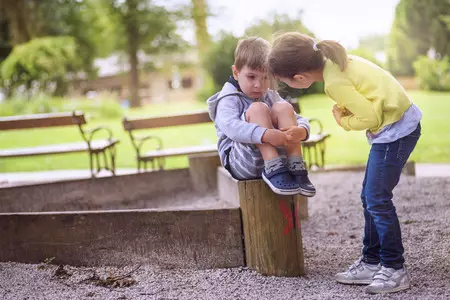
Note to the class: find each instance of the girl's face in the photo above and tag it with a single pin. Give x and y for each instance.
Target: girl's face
(299, 81)
(253, 83)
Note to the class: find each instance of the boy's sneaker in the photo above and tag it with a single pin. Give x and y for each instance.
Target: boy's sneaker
(358, 273)
(389, 280)
(306, 187)
(281, 181)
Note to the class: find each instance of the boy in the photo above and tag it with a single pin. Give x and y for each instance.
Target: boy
(259, 133)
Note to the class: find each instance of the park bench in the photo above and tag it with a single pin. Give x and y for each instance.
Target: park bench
(156, 157)
(314, 147)
(95, 148)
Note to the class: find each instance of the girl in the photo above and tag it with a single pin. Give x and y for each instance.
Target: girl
(367, 98)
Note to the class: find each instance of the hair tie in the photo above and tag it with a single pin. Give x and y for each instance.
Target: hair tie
(315, 47)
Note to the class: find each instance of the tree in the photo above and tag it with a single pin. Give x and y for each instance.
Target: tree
(277, 23)
(433, 74)
(5, 39)
(374, 43)
(142, 25)
(86, 22)
(418, 26)
(199, 14)
(41, 63)
(219, 59)
(367, 54)
(17, 13)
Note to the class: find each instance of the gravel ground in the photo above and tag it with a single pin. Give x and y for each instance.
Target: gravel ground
(331, 238)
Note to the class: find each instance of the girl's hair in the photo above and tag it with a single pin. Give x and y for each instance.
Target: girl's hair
(294, 53)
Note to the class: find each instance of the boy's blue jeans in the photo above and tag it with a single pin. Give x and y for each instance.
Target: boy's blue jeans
(382, 235)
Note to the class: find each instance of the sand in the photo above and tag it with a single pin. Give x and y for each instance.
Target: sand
(331, 238)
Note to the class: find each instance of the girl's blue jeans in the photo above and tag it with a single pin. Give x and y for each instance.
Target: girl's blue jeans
(382, 235)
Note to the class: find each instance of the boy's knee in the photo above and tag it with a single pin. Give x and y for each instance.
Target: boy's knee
(280, 108)
(257, 108)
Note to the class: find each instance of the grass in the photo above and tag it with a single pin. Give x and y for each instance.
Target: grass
(342, 148)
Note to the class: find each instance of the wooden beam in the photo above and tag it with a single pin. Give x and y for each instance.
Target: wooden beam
(42, 120)
(203, 171)
(96, 145)
(167, 121)
(200, 149)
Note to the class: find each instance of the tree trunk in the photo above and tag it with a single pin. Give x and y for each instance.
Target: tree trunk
(16, 12)
(199, 13)
(133, 42)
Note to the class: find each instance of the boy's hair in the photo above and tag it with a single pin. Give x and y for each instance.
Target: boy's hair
(252, 52)
(294, 53)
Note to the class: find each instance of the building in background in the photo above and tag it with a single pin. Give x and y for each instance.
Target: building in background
(170, 78)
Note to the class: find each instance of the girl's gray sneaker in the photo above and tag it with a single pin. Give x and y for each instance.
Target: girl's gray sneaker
(358, 273)
(389, 280)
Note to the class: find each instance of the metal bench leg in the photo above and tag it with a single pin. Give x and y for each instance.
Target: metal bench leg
(322, 151)
(98, 163)
(308, 154)
(113, 160)
(91, 164)
(316, 155)
(161, 163)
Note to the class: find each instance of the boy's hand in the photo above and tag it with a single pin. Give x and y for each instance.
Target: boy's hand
(275, 137)
(338, 114)
(297, 134)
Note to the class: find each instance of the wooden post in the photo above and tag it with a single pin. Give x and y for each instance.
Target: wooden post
(271, 224)
(272, 230)
(227, 187)
(203, 171)
(301, 204)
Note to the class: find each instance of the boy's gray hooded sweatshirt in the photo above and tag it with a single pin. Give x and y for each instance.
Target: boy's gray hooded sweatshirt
(226, 108)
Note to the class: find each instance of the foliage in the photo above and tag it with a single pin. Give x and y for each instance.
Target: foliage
(219, 59)
(267, 28)
(87, 21)
(418, 26)
(433, 74)
(65, 42)
(374, 43)
(143, 25)
(199, 12)
(367, 54)
(207, 90)
(5, 39)
(41, 63)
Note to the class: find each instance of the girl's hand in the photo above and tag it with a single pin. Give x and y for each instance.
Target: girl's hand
(338, 114)
(297, 134)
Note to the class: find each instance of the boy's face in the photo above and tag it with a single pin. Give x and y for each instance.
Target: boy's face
(253, 83)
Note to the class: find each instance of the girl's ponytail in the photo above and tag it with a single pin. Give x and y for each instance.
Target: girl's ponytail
(334, 52)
